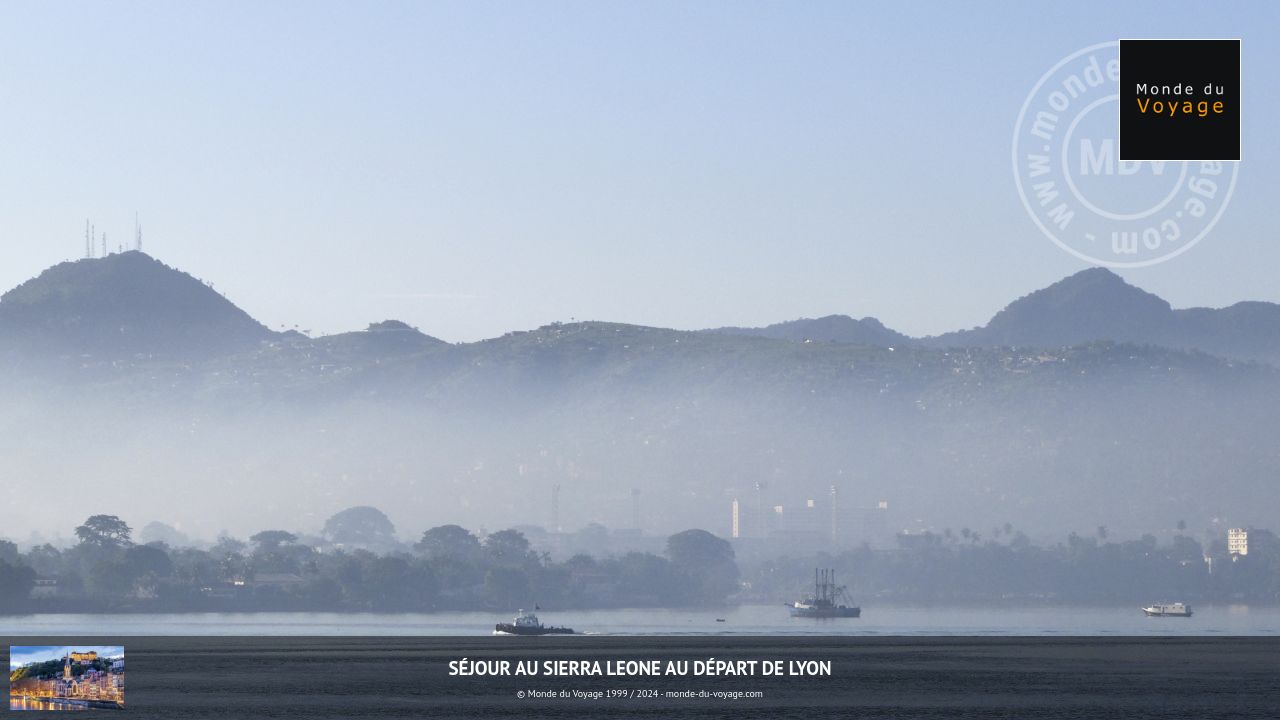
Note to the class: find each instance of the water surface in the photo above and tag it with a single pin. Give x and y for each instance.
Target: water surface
(1208, 620)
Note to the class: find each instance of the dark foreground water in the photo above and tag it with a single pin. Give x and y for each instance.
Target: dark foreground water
(870, 677)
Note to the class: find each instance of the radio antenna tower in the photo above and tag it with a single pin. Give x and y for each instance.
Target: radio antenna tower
(835, 536)
(137, 233)
(88, 242)
(761, 520)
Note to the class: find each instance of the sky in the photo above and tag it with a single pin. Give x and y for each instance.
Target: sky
(20, 655)
(474, 168)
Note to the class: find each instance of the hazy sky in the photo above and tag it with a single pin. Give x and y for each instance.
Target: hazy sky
(473, 168)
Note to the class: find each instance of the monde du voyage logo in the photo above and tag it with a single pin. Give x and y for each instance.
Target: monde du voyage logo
(1124, 152)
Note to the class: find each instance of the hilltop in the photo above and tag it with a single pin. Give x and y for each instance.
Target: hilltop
(1093, 305)
(121, 306)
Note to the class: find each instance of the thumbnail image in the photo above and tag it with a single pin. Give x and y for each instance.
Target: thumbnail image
(65, 677)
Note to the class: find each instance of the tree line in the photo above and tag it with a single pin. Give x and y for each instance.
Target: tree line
(356, 564)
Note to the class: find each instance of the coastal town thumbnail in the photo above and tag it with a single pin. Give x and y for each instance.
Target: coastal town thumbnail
(53, 677)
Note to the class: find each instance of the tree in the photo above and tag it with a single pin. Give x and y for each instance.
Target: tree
(45, 559)
(227, 545)
(449, 541)
(147, 562)
(360, 526)
(707, 562)
(646, 579)
(396, 583)
(16, 582)
(109, 577)
(269, 540)
(1186, 549)
(508, 547)
(507, 587)
(8, 552)
(698, 548)
(105, 531)
(276, 551)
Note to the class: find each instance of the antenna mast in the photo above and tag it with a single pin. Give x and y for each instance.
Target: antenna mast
(834, 529)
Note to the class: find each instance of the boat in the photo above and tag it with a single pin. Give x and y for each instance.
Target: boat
(526, 623)
(1168, 610)
(827, 601)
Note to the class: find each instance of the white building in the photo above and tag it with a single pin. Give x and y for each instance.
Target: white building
(1238, 541)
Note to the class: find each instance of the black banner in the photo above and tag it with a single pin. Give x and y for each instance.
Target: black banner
(696, 677)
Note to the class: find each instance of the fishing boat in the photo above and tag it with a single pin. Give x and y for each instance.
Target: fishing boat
(526, 623)
(1167, 610)
(827, 601)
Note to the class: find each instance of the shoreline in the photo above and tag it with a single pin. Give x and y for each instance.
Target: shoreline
(896, 605)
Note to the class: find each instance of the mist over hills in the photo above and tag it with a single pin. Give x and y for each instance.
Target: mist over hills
(1090, 306)
(133, 388)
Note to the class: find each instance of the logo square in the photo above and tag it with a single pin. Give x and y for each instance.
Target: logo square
(1180, 100)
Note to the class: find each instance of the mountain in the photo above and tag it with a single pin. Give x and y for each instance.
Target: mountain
(122, 306)
(832, 328)
(389, 337)
(1097, 305)
(1094, 305)
(1091, 305)
(1249, 330)
(1014, 422)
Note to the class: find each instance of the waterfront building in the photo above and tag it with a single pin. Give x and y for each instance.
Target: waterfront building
(1238, 541)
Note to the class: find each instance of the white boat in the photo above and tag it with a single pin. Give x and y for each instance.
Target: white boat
(1168, 610)
(526, 623)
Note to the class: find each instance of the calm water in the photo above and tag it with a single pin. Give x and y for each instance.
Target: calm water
(744, 620)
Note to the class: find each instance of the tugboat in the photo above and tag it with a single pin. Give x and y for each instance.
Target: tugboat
(526, 623)
(1168, 610)
(825, 602)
